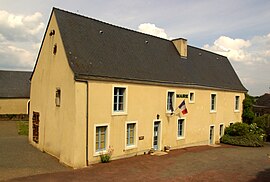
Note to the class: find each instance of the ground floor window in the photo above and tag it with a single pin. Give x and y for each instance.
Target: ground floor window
(130, 134)
(221, 130)
(101, 134)
(180, 128)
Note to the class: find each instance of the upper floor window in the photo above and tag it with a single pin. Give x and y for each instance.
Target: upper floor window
(236, 107)
(119, 99)
(191, 97)
(170, 101)
(58, 97)
(213, 102)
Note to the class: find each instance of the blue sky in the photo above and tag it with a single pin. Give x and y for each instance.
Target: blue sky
(238, 29)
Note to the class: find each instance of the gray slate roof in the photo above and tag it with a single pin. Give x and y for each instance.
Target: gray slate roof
(99, 49)
(14, 84)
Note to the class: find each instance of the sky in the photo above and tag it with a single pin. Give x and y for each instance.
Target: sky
(238, 29)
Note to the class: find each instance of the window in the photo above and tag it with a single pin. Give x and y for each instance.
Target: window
(130, 134)
(191, 97)
(231, 123)
(213, 102)
(170, 101)
(221, 130)
(101, 134)
(180, 128)
(119, 99)
(236, 108)
(58, 97)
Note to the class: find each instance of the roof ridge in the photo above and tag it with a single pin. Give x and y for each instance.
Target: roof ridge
(117, 26)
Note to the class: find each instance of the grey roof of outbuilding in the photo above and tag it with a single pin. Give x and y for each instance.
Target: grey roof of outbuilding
(99, 49)
(15, 84)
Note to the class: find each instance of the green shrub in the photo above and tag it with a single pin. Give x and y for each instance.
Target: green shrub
(237, 129)
(263, 122)
(22, 127)
(250, 140)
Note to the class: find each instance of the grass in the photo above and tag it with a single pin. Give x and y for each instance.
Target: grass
(22, 127)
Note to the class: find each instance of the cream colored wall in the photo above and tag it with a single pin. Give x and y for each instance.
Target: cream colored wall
(59, 126)
(14, 105)
(144, 103)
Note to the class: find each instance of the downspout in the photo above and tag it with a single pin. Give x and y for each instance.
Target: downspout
(86, 149)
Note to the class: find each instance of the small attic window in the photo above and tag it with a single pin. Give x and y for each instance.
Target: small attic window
(57, 97)
(100, 32)
(146, 42)
(200, 53)
(54, 49)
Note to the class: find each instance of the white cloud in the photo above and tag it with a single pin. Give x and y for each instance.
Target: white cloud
(250, 58)
(253, 51)
(151, 29)
(20, 27)
(19, 40)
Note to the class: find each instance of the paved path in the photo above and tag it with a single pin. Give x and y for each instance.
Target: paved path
(222, 164)
(18, 158)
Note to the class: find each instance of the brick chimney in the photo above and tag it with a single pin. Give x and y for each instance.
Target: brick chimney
(181, 46)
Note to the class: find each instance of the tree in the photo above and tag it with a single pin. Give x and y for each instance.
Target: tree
(248, 115)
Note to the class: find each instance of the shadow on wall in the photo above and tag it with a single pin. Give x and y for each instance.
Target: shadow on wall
(262, 176)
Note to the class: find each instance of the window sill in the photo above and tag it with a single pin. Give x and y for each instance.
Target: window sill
(213, 111)
(191, 102)
(99, 153)
(119, 113)
(236, 110)
(130, 147)
(180, 138)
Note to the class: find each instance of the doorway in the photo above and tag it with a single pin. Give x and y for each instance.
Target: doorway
(156, 135)
(211, 139)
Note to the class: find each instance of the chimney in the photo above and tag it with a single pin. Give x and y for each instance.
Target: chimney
(181, 46)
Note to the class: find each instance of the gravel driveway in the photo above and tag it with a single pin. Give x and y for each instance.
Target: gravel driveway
(205, 163)
(18, 158)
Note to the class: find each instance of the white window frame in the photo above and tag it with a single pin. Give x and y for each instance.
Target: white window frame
(235, 104)
(127, 147)
(215, 104)
(124, 112)
(223, 129)
(189, 98)
(184, 129)
(97, 153)
(173, 101)
(231, 123)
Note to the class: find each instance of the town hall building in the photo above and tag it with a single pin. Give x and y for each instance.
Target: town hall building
(97, 85)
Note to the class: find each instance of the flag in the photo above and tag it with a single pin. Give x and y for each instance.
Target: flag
(183, 108)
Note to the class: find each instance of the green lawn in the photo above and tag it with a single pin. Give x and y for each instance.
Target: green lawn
(22, 127)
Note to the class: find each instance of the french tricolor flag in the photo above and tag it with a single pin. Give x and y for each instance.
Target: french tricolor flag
(183, 108)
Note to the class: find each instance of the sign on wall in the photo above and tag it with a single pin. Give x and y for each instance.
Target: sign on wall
(181, 95)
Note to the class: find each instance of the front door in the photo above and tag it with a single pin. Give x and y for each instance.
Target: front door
(211, 135)
(156, 135)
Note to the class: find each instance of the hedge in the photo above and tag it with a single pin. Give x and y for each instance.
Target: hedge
(249, 140)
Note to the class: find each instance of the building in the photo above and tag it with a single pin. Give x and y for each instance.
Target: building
(14, 92)
(96, 85)
(262, 105)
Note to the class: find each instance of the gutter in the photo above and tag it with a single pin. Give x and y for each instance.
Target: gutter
(87, 122)
(86, 139)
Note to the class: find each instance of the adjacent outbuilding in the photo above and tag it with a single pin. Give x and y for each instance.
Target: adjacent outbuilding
(14, 92)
